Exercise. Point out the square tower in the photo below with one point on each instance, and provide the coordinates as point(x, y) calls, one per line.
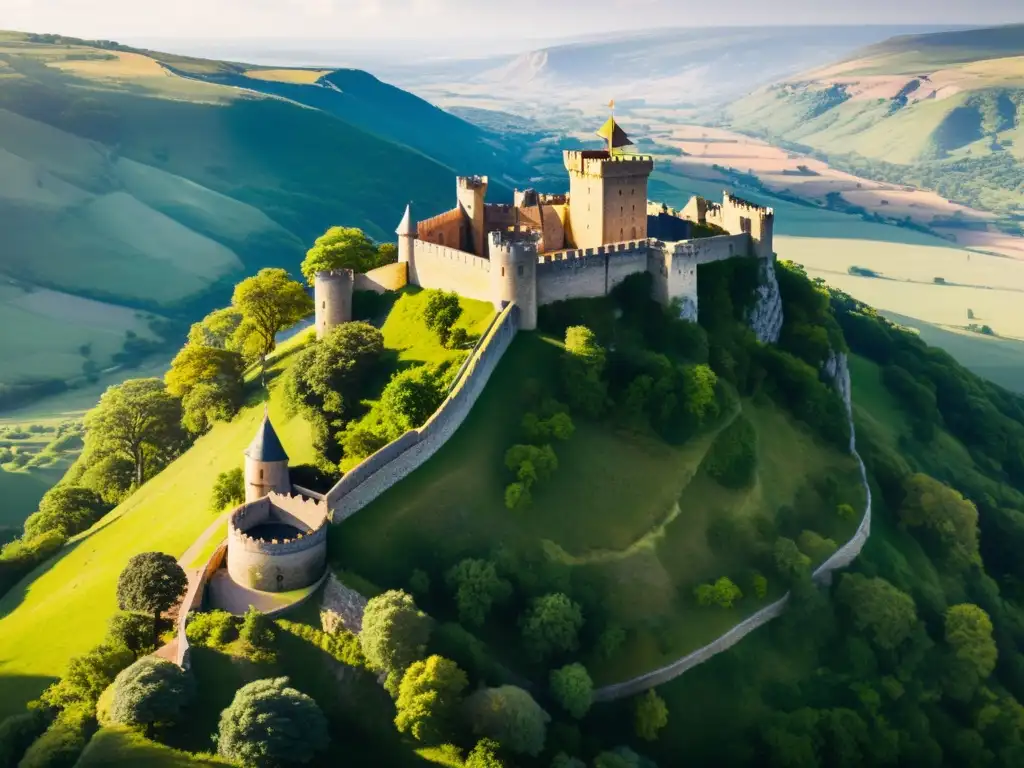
point(471, 192)
point(607, 196)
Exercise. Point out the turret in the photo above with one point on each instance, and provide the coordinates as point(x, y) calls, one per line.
point(406, 236)
point(471, 192)
point(266, 463)
point(332, 293)
point(513, 257)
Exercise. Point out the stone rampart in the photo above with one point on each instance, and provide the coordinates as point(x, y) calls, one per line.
point(397, 460)
point(193, 601)
point(446, 228)
point(588, 272)
point(449, 269)
point(841, 558)
point(390, 277)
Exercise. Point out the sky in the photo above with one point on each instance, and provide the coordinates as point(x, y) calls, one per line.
point(472, 21)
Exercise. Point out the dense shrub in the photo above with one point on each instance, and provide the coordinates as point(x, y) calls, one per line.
point(228, 489)
point(732, 458)
point(151, 692)
point(63, 741)
point(20, 556)
point(212, 628)
point(18, 732)
point(342, 645)
point(510, 716)
point(428, 699)
point(257, 634)
point(551, 625)
point(69, 509)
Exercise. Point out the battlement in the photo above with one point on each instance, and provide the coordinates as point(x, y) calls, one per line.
point(746, 205)
point(563, 258)
point(424, 248)
point(601, 163)
point(293, 510)
point(471, 182)
point(334, 274)
point(514, 235)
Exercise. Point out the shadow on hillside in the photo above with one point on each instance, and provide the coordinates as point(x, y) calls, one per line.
point(999, 360)
point(17, 690)
point(14, 596)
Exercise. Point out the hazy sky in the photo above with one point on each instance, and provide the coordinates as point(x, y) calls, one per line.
point(453, 19)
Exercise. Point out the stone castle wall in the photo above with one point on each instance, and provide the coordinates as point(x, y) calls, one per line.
point(842, 558)
point(390, 277)
point(449, 269)
point(448, 228)
point(588, 272)
point(397, 460)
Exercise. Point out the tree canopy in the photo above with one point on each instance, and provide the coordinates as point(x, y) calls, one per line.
point(151, 583)
point(572, 688)
point(969, 633)
point(651, 715)
point(342, 248)
point(269, 302)
point(151, 692)
point(395, 631)
point(441, 312)
point(429, 697)
point(510, 716)
point(878, 607)
point(477, 587)
point(551, 625)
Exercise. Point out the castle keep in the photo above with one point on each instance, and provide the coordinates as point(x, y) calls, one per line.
point(546, 248)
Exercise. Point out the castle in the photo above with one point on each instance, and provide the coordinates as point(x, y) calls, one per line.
point(546, 248)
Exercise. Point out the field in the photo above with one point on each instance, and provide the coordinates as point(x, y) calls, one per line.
point(297, 76)
point(624, 514)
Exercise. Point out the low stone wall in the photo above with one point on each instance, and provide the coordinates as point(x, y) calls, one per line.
point(390, 277)
point(823, 573)
point(590, 272)
point(373, 476)
point(193, 601)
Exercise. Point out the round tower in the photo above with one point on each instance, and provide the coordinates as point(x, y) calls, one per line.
point(332, 293)
point(513, 257)
point(266, 463)
point(406, 232)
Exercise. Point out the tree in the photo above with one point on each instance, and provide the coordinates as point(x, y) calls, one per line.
point(111, 476)
point(510, 716)
point(945, 515)
point(484, 755)
point(138, 420)
point(878, 607)
point(217, 329)
point(428, 699)
point(151, 692)
point(228, 488)
point(269, 723)
point(257, 634)
point(791, 562)
point(69, 509)
point(151, 583)
point(969, 634)
point(87, 676)
point(387, 253)
point(815, 546)
point(551, 625)
point(269, 302)
point(206, 403)
point(340, 248)
point(17, 732)
point(723, 593)
point(196, 364)
point(133, 631)
point(409, 399)
point(572, 687)
point(651, 715)
point(441, 312)
point(477, 588)
point(582, 371)
point(395, 631)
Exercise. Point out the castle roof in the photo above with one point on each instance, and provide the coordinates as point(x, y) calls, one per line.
point(613, 134)
point(405, 226)
point(266, 446)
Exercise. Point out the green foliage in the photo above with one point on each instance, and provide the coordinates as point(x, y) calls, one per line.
point(540, 430)
point(269, 302)
point(63, 741)
point(760, 585)
point(583, 371)
point(610, 640)
point(139, 421)
point(969, 634)
point(133, 631)
point(151, 692)
point(723, 593)
point(650, 715)
point(20, 556)
point(257, 634)
point(341, 645)
point(815, 546)
point(530, 463)
point(510, 716)
point(341, 248)
point(216, 330)
point(551, 625)
point(441, 312)
point(211, 628)
point(228, 489)
point(111, 476)
point(732, 459)
point(151, 583)
point(789, 560)
point(572, 688)
point(846, 512)
point(18, 732)
point(208, 403)
point(484, 755)
point(69, 509)
point(268, 723)
point(87, 676)
point(222, 369)
point(394, 633)
point(477, 587)
point(879, 608)
point(517, 495)
point(946, 517)
point(410, 398)
point(429, 698)
point(419, 582)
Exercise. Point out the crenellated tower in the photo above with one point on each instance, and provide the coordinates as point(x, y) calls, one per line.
point(471, 192)
point(513, 257)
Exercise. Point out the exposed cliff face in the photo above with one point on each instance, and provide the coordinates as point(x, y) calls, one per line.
point(688, 309)
point(837, 370)
point(766, 316)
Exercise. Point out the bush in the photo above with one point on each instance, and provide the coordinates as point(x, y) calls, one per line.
point(732, 459)
point(342, 645)
point(87, 676)
point(62, 743)
point(69, 509)
point(428, 699)
point(133, 631)
point(510, 716)
point(269, 722)
point(18, 732)
point(572, 687)
point(651, 715)
point(441, 312)
point(20, 556)
point(257, 634)
point(477, 588)
point(228, 489)
point(551, 625)
point(150, 692)
point(723, 593)
point(213, 628)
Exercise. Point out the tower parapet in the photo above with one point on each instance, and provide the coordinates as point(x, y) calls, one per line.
point(513, 257)
point(607, 196)
point(332, 294)
point(471, 192)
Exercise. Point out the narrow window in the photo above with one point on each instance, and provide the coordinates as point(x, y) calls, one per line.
point(620, 193)
point(261, 474)
point(520, 270)
point(634, 233)
point(323, 305)
point(502, 271)
point(620, 234)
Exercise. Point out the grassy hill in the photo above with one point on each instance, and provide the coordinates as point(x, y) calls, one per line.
point(941, 111)
point(133, 196)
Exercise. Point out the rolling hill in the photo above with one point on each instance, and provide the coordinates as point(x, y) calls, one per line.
point(940, 111)
point(134, 193)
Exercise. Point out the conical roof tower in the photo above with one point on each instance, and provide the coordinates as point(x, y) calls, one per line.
point(266, 446)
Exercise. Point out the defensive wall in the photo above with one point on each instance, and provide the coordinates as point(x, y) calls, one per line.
point(278, 565)
point(448, 228)
point(193, 601)
point(588, 272)
point(439, 266)
point(390, 277)
point(395, 461)
point(841, 558)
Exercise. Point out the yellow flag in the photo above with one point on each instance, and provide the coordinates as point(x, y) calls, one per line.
point(611, 104)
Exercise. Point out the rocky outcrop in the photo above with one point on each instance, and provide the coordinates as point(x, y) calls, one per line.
point(688, 309)
point(341, 607)
point(766, 316)
point(836, 370)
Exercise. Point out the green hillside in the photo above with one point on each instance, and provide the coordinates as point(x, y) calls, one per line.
point(941, 111)
point(134, 196)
